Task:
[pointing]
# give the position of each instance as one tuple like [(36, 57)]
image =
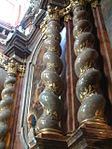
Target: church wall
[(106, 6)]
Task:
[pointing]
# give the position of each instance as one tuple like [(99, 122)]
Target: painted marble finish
[(52, 44), (83, 40), (92, 107), (85, 60), (88, 83), (88, 86), (81, 26), (52, 81), (51, 59), (49, 98), (80, 15), (5, 105), (54, 29)]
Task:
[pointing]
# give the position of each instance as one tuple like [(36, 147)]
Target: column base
[(51, 140), (50, 144), (51, 134), (91, 134)]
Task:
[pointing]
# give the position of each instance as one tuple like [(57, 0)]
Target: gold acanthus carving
[(64, 12), (82, 46), (12, 67), (50, 112), (67, 10), (88, 92), (85, 68), (51, 86), (67, 17)]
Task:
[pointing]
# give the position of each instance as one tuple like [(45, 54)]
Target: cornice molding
[(17, 45), (20, 45), (58, 3)]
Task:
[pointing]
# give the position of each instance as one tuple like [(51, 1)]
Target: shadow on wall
[(106, 6)]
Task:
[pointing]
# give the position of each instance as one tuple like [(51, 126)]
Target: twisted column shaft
[(87, 89), (49, 98), (6, 103)]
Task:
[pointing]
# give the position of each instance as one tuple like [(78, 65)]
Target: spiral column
[(87, 89), (49, 121), (6, 102)]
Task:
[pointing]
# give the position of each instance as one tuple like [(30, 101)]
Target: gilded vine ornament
[(51, 86), (67, 17), (50, 112), (88, 92), (13, 67), (51, 65), (52, 13), (57, 13), (85, 68), (64, 12)]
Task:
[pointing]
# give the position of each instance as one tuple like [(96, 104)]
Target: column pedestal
[(91, 135)]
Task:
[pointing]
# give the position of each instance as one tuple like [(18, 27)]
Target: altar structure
[(56, 77)]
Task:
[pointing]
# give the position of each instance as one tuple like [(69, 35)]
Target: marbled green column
[(87, 89), (49, 121), (6, 102)]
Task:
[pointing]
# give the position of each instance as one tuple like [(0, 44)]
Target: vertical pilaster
[(71, 79), (105, 46)]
